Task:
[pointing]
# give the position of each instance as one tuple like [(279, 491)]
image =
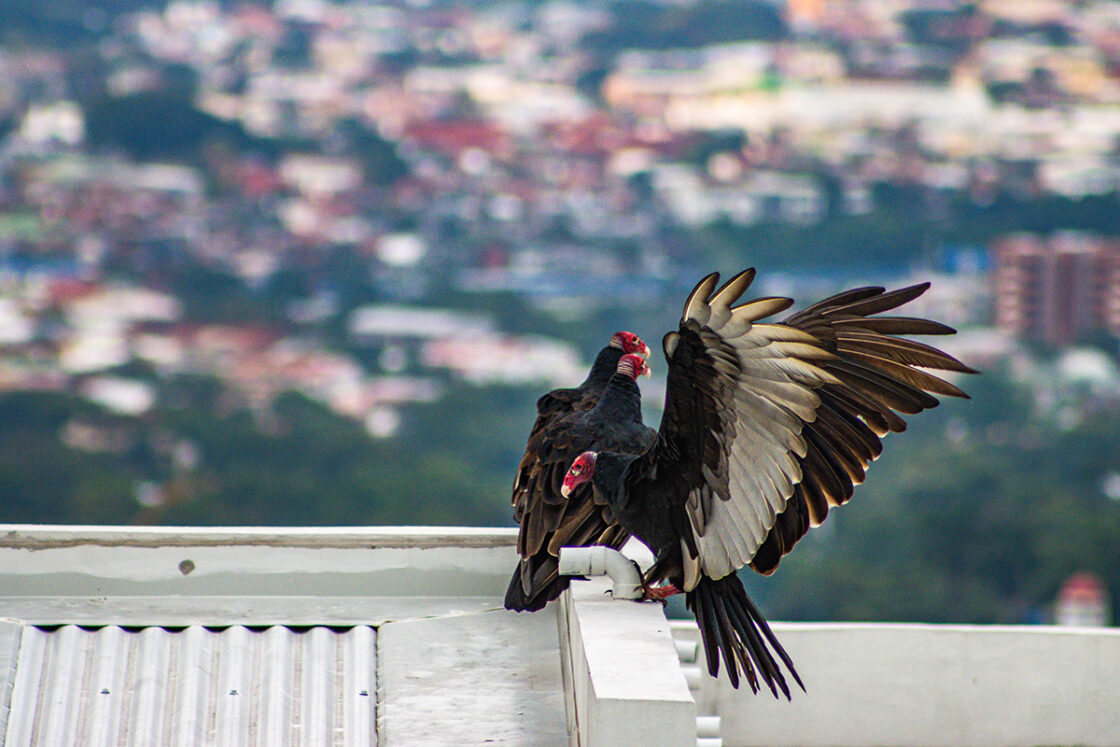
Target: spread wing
[(768, 425)]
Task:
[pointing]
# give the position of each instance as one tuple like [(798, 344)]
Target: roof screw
[(104, 691), (233, 692), (186, 566), (364, 693)]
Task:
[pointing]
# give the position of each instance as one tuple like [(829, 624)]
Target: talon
[(660, 593)]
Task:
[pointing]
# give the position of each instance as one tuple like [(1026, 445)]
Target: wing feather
[(767, 425), (696, 306), (878, 302), (820, 482), (840, 300), (912, 376), (727, 295), (895, 325), (907, 352)]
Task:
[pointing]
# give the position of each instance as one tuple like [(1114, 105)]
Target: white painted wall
[(622, 678), (908, 684)]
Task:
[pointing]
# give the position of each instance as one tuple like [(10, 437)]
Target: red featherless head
[(628, 342), (581, 471), (633, 366)]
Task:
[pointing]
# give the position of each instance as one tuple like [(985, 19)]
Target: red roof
[(455, 135), (1082, 587), (65, 290)]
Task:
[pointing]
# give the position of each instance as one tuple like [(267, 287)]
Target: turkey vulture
[(550, 520), (560, 402), (765, 427)]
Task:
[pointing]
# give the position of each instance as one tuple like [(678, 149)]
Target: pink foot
[(659, 593)]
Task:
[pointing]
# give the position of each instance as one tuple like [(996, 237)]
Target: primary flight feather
[(766, 426)]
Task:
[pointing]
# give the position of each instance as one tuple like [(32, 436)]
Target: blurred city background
[(310, 263)]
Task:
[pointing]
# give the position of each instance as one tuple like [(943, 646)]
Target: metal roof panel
[(194, 686)]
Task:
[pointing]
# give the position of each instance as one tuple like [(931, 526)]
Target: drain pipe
[(598, 560)]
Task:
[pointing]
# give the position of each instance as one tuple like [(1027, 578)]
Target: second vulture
[(766, 426), (604, 412)]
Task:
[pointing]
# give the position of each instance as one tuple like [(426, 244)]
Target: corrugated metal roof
[(194, 686), (121, 609)]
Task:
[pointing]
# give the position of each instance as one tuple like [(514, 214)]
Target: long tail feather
[(764, 626), (732, 628)]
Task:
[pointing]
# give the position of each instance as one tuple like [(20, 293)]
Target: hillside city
[(410, 212)]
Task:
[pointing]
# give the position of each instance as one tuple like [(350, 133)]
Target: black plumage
[(766, 426), (550, 520)]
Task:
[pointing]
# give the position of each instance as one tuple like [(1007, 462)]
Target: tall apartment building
[(1057, 289)]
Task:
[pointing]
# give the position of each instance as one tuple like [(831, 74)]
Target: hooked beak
[(644, 352), (565, 489)]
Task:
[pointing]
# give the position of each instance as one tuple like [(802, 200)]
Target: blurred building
[(1059, 289), (1082, 602)]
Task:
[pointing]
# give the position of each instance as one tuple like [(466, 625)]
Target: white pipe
[(598, 560), (707, 726), (687, 651), (692, 677)]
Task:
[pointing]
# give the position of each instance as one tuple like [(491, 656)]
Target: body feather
[(606, 416)]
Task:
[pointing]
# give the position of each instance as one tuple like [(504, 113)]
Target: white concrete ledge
[(621, 672), (53, 536), (104, 574), (491, 677), (910, 684)]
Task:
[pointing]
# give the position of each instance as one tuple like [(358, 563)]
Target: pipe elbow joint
[(598, 560)]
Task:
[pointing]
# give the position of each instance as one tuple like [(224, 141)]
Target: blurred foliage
[(380, 163), (166, 124), (157, 125), (641, 24), (708, 144), (59, 21), (43, 481), (907, 226), (296, 464)]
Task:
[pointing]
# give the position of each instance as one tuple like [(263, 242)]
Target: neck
[(604, 366), (610, 469), (621, 400)]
